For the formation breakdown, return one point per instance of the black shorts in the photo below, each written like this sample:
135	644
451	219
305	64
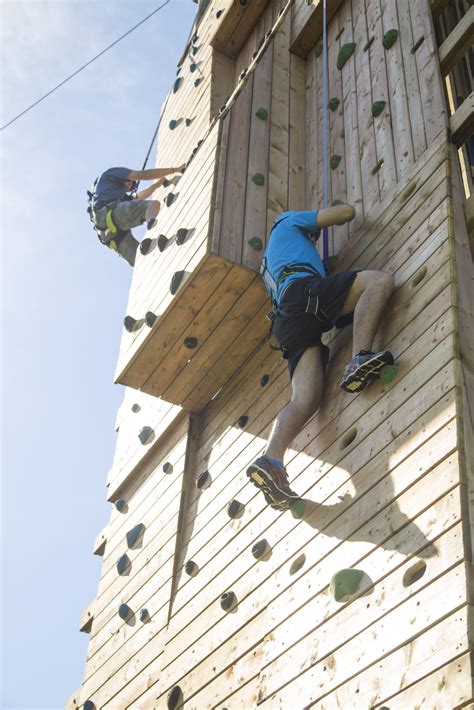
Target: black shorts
311	306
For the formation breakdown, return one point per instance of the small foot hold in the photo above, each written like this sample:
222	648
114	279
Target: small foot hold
388	373
297	508
345	583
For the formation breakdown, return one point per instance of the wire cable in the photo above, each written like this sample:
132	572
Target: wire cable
325	136
58	86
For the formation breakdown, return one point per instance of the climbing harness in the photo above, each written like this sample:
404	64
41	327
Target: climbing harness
111	227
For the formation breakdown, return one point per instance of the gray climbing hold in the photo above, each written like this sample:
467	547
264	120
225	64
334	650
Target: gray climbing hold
150	319
123	563
162	242
134	535
146	435
181	235
197	82
167	467
175	698
125	612
345	582
120	504
145	246
390	38
346	51
135	408
177	84
190	343
172	124
130	324
204	481
219	13
242	421
228	601
264	380
261	549
377	108
176	281
144	616
193	67
191	568
188	121
88	705
235	509
169	199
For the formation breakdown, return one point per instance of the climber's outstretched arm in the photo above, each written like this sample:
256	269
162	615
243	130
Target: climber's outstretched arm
330	216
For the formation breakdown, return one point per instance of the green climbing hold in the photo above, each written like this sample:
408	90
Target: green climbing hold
332	263
318	50
335	203
262	113
258	179
334	103
388	373
390	38
346	51
377	108
335	160
297	508
134	535
345	582
255	243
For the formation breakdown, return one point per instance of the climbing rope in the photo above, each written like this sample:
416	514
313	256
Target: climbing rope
325	136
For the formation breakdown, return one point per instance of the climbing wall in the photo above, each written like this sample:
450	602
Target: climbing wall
360	597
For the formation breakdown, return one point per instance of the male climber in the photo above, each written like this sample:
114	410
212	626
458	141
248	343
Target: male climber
307	303
115	209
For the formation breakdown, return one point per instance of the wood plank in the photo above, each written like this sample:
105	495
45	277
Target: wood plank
438	645
233	208
307	25
457	43
296	149
279	125
461	123
235	26
338	236
311	134
255	218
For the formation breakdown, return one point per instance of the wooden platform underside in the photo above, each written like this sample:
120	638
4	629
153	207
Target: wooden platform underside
221	305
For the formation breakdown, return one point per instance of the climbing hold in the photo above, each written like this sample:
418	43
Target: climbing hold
243	2
204	481
135	408
123	563
177	84
146	435
228	601
193	67
264	381
175	281
88	705
243	74
262	113
166	182
162	242
332	263
181	235
144	616
150	319
297	508
130	324
334	103
242	421
256	243
134	535
345	582
173	123
191	568
235	509
197	82
388	372
175	698
318	50
261	549
120	504
377	108
169	199
194	39
145	246
167	467
390	38
190	343
125	612
188	121
346	51
335	160
258	179
219	13
337	202
194	50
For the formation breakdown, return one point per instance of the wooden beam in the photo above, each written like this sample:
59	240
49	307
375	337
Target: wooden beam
99	544
469	213
236	25
461	122
87	617
307	25
457	43
437	6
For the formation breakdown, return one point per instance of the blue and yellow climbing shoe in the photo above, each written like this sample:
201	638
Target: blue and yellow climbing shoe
272	480
363	368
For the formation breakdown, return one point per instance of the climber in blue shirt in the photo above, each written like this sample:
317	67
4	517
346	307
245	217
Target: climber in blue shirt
307	303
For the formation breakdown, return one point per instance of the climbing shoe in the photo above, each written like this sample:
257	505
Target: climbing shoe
363	368
272	480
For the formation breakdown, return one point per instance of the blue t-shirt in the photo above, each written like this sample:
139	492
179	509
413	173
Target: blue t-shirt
289	244
110	187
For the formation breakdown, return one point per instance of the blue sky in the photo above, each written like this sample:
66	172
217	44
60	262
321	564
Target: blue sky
63	299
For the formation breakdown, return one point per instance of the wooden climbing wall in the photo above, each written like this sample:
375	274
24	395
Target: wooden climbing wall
386	474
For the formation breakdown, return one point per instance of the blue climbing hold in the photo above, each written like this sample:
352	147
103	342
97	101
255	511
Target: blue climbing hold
125	612
122	564
134	535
